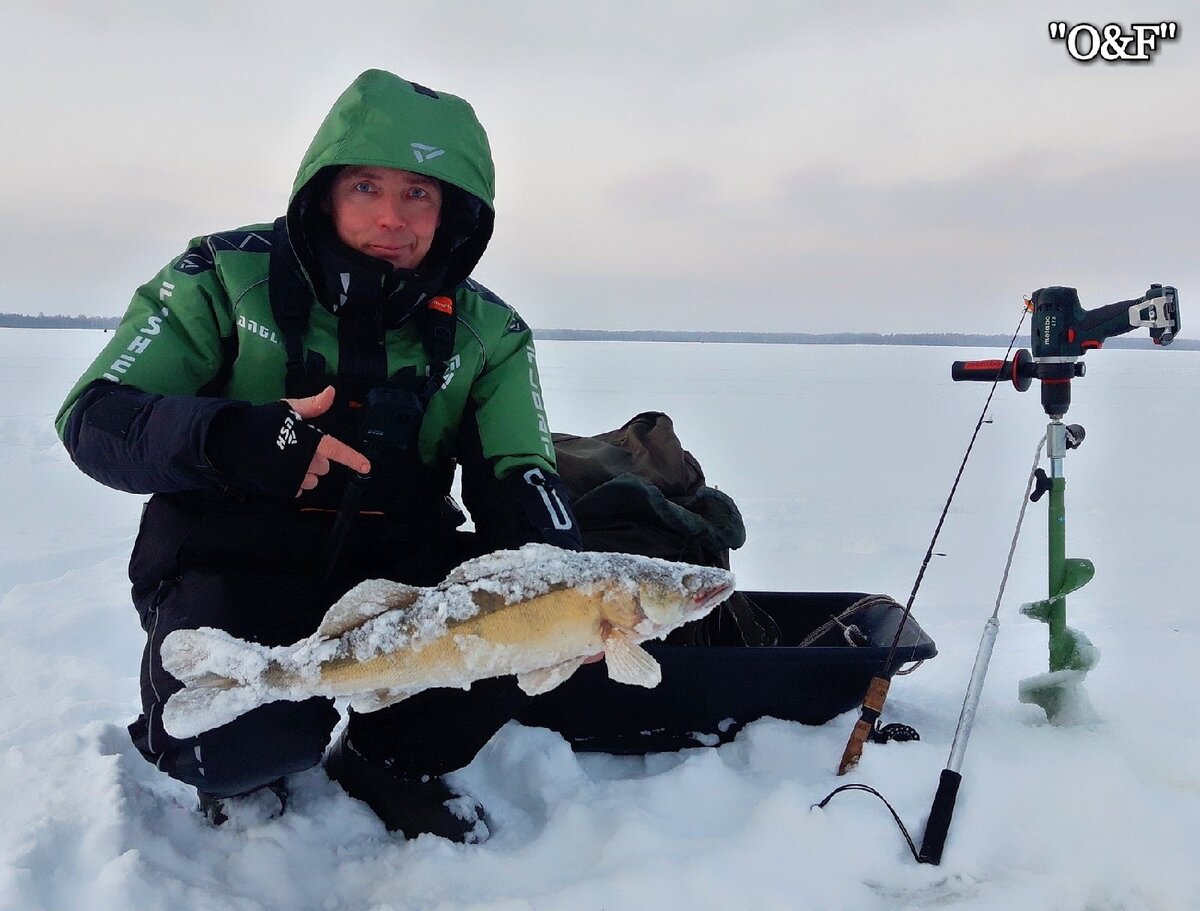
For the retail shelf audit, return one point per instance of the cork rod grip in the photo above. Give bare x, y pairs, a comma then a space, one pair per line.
872, 708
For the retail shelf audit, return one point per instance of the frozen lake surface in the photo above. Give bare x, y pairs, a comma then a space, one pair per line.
840, 459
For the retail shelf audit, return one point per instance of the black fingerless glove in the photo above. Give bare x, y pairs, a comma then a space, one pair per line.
265, 449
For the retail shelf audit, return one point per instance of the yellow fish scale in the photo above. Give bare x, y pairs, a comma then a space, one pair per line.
525, 636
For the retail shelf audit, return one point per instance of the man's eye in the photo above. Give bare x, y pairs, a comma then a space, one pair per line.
419, 193
363, 186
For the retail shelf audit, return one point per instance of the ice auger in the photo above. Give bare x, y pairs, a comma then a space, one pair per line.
1062, 332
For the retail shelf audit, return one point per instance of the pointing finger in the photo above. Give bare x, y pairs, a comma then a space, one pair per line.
336, 451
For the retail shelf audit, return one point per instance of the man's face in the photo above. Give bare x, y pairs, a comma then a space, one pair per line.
386, 212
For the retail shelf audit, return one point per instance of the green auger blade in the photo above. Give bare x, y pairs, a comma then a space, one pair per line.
1059, 692
1061, 696
1076, 573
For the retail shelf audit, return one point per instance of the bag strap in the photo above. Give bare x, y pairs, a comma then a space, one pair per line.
290, 298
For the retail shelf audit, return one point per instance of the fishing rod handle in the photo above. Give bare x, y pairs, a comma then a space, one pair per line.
854, 746
872, 708
1020, 370
940, 814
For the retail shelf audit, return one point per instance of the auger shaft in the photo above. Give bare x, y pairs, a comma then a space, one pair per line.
1056, 450
1059, 691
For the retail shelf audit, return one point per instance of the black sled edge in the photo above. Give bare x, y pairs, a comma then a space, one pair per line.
709, 692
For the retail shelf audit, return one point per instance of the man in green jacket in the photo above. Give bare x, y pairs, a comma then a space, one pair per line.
296, 397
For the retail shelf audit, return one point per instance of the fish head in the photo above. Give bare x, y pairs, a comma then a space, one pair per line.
662, 595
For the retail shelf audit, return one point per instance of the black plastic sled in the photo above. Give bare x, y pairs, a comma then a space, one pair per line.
827, 657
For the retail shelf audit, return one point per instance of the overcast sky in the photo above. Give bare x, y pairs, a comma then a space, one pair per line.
786, 166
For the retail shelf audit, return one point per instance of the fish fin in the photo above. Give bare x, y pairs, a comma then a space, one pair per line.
377, 699
214, 682
365, 602
543, 680
628, 662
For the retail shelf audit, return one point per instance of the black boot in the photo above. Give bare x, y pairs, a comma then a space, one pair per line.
265, 802
414, 807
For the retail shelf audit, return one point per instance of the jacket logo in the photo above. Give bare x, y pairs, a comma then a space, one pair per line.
256, 328
423, 152
559, 517
539, 408
140, 343
452, 367
287, 433
442, 305
192, 263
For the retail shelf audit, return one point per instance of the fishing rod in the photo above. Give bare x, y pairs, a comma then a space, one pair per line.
872, 707
1062, 332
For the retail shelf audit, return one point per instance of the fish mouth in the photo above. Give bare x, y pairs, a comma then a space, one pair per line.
707, 597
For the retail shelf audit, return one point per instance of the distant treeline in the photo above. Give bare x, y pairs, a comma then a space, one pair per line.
56, 321
948, 339
771, 338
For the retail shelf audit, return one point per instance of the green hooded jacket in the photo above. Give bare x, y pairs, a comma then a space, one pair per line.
204, 325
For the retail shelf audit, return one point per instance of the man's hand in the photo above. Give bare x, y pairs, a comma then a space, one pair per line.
271, 449
329, 449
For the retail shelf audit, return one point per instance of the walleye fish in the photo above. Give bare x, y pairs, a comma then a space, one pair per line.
538, 612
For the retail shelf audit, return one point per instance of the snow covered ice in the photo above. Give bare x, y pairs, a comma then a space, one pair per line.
840, 464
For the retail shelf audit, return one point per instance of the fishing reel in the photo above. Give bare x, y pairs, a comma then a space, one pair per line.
1063, 332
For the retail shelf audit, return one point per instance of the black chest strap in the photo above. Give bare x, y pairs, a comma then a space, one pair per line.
438, 322
291, 305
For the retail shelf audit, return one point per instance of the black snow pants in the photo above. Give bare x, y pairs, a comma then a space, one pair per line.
259, 576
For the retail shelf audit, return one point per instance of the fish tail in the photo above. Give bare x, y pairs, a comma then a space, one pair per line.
193, 656
223, 677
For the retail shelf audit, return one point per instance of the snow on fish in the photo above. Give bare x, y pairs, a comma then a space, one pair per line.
538, 612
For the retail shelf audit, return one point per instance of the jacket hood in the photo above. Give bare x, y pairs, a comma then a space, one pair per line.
384, 120
381, 119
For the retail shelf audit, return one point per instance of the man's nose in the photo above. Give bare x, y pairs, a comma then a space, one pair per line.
392, 214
